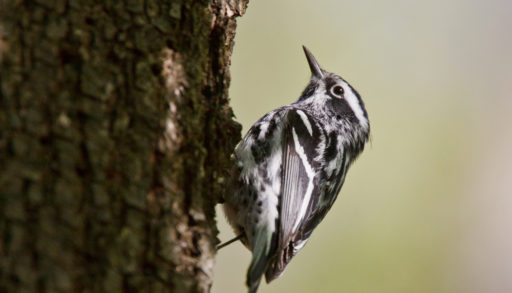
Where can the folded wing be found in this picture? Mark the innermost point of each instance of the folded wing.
(299, 191)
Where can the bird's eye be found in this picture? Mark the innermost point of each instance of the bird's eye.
(337, 90)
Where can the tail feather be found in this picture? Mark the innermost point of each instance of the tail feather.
(256, 270)
(278, 264)
(260, 259)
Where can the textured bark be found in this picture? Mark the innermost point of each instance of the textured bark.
(115, 137)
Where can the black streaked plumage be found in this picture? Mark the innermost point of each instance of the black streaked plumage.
(291, 167)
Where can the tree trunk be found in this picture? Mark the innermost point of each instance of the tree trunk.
(115, 139)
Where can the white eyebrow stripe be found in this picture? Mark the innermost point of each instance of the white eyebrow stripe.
(353, 102)
(305, 120)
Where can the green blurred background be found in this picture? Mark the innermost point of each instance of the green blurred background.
(428, 205)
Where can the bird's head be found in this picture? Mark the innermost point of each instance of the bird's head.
(336, 96)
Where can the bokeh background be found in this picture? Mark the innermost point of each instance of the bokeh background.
(428, 205)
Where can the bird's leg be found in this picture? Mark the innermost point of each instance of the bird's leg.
(229, 242)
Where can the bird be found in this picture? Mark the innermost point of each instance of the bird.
(290, 167)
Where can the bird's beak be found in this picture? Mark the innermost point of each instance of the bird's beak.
(313, 64)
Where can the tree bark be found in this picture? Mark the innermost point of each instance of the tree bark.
(115, 139)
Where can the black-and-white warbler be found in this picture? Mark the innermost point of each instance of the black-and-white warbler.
(291, 166)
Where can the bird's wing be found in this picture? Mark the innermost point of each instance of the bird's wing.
(329, 193)
(299, 188)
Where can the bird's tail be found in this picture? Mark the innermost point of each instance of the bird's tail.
(260, 258)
